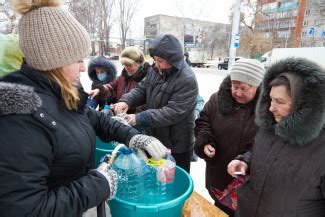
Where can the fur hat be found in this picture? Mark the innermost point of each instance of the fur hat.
(249, 71)
(49, 36)
(132, 55)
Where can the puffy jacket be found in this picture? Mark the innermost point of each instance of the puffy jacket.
(170, 97)
(47, 151)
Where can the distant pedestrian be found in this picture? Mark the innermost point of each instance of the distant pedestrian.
(169, 92)
(187, 58)
(286, 164)
(226, 126)
(102, 71)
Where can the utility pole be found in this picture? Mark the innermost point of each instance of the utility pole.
(234, 43)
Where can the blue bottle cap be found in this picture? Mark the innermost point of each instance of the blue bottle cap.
(126, 151)
(106, 106)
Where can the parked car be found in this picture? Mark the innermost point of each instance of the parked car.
(224, 63)
(212, 63)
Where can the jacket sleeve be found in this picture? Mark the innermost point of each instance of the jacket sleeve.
(199, 105)
(182, 101)
(109, 129)
(203, 129)
(26, 156)
(246, 157)
(137, 96)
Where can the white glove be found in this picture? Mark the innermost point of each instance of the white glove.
(111, 176)
(152, 145)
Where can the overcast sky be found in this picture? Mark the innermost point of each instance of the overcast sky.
(209, 10)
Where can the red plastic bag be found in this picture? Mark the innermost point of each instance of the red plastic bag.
(228, 197)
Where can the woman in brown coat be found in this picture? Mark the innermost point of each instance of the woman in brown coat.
(226, 125)
(135, 69)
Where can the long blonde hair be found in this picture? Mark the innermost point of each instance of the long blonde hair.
(69, 92)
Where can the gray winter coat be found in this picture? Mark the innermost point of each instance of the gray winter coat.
(170, 97)
(287, 163)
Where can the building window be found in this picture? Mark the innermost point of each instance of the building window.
(307, 12)
(303, 34)
(317, 22)
(306, 23)
(302, 44)
(313, 44)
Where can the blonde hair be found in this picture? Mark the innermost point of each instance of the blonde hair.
(69, 92)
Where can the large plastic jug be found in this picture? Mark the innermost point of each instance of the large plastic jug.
(159, 175)
(130, 176)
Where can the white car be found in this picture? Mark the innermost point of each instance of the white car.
(212, 63)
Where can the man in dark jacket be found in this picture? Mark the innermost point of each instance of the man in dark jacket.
(226, 125)
(286, 165)
(169, 92)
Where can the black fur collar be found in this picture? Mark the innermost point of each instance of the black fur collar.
(306, 122)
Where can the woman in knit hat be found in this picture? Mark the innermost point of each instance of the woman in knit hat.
(286, 164)
(101, 71)
(226, 126)
(135, 69)
(47, 135)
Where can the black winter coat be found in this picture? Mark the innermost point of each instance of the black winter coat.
(287, 163)
(47, 151)
(170, 97)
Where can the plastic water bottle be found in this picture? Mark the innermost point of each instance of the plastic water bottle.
(107, 110)
(159, 181)
(130, 176)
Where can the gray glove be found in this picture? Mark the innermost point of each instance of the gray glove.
(152, 145)
(111, 176)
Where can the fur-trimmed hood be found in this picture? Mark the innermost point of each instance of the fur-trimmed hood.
(306, 122)
(226, 102)
(18, 99)
(104, 63)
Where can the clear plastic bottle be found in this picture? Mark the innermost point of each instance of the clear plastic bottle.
(161, 176)
(130, 176)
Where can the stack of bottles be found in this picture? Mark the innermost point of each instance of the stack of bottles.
(147, 182)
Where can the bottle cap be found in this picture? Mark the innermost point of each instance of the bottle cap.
(106, 106)
(126, 151)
